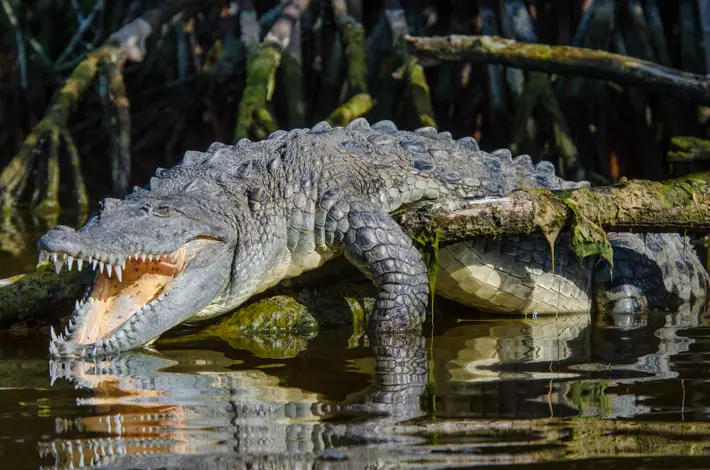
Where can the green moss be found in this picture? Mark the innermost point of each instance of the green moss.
(587, 238)
(355, 107)
(420, 94)
(261, 75)
(428, 246)
(275, 327)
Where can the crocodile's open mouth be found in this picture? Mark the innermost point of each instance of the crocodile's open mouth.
(111, 309)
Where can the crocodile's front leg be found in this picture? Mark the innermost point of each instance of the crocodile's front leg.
(372, 241)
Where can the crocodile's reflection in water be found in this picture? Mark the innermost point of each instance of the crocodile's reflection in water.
(193, 408)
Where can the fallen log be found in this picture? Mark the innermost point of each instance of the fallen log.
(564, 60)
(629, 205)
(675, 206)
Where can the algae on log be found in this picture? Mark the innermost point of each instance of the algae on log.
(564, 60)
(42, 293)
(641, 206)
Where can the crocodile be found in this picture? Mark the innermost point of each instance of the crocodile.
(226, 224)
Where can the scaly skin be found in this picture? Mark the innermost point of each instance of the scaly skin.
(237, 220)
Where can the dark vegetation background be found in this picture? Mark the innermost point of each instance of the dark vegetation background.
(186, 92)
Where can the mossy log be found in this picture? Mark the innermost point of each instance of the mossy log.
(641, 206)
(564, 60)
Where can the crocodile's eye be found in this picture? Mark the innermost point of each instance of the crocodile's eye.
(161, 211)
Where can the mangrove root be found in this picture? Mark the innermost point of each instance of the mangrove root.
(253, 118)
(128, 43)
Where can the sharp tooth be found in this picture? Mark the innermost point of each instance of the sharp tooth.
(143, 257)
(66, 332)
(119, 273)
(150, 257)
(70, 262)
(123, 264)
(79, 264)
(52, 333)
(91, 258)
(76, 305)
(109, 269)
(94, 263)
(58, 262)
(54, 257)
(101, 266)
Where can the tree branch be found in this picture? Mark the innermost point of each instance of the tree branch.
(564, 60)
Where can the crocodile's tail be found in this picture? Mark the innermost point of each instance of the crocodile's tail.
(651, 271)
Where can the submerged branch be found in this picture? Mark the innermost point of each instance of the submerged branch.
(564, 60)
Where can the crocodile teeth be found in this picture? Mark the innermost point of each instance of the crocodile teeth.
(109, 269)
(70, 262)
(143, 257)
(76, 305)
(52, 333)
(79, 264)
(58, 262)
(94, 263)
(101, 267)
(119, 273)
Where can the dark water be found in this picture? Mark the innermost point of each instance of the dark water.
(619, 392)
(572, 391)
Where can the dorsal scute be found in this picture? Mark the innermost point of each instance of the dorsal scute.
(193, 158)
(359, 124)
(215, 146)
(469, 143)
(243, 145)
(504, 155)
(277, 135)
(321, 128)
(427, 131)
(386, 127)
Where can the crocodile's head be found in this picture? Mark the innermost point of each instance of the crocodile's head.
(159, 260)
